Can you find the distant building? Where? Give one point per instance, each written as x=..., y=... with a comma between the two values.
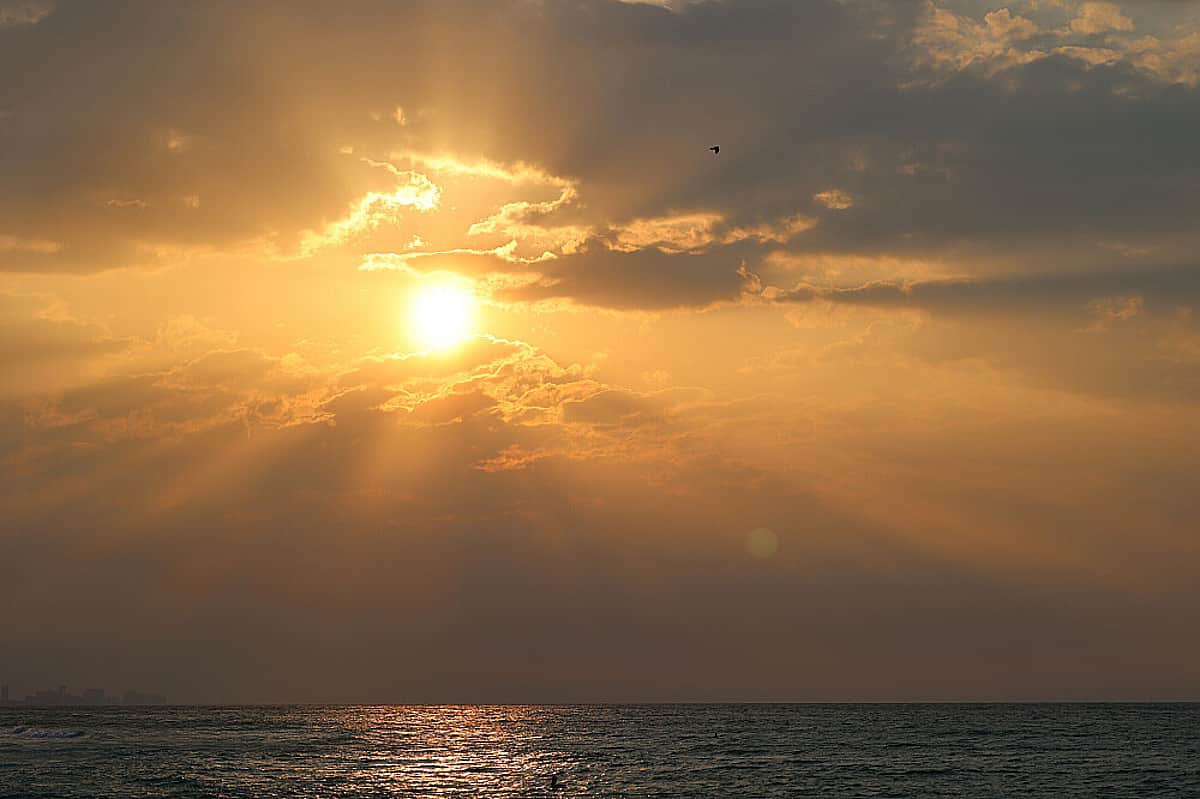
x=91, y=697
x=51, y=696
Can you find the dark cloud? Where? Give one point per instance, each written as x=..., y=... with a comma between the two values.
x=596, y=275
x=160, y=148
x=1163, y=288
x=1122, y=334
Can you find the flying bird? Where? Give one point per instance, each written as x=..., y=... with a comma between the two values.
x=716, y=150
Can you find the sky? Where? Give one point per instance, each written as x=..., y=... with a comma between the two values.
x=421, y=351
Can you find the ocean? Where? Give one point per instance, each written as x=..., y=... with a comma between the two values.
x=823, y=750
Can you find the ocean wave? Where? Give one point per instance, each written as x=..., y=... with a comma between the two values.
x=31, y=732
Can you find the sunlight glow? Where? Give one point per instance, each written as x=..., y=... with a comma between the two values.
x=442, y=316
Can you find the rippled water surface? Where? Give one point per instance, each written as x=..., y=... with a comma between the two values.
x=639, y=750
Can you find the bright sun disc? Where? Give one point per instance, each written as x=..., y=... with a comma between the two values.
x=442, y=316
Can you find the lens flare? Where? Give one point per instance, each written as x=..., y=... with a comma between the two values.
x=762, y=542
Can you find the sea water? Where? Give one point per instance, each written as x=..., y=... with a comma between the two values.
x=1025, y=750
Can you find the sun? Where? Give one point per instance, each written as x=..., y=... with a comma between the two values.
x=442, y=316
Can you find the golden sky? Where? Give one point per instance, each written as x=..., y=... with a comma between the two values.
x=420, y=350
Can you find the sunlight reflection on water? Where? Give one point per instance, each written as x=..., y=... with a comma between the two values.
x=612, y=751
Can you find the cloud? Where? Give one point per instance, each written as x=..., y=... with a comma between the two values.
x=596, y=274
x=929, y=317
x=1110, y=310
x=375, y=209
x=1102, y=336
x=913, y=130
x=40, y=343
x=1016, y=294
x=1097, y=33
x=502, y=485
x=1098, y=17
x=43, y=246
x=834, y=199
x=15, y=13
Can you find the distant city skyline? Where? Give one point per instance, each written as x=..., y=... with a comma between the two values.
x=60, y=695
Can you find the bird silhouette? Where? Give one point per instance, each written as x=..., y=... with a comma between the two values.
x=716, y=150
